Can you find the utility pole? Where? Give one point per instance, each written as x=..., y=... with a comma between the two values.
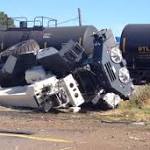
x=79, y=16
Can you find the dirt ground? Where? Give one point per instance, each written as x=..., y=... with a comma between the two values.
x=67, y=131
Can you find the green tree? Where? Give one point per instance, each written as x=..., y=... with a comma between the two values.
x=5, y=20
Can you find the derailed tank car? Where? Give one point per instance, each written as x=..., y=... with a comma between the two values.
x=135, y=46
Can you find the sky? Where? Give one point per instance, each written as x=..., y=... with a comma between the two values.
x=113, y=14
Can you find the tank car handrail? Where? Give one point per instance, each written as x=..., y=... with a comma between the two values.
x=19, y=18
x=42, y=21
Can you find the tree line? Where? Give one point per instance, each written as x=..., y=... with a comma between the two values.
x=5, y=20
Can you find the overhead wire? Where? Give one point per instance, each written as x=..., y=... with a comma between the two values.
x=66, y=21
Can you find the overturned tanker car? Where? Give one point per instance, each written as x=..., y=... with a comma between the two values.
x=68, y=76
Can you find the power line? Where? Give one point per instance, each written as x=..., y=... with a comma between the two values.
x=66, y=21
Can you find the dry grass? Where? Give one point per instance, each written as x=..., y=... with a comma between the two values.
x=136, y=109
x=141, y=97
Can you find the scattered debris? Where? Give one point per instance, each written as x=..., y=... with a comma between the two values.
x=75, y=109
x=139, y=123
x=134, y=138
x=116, y=122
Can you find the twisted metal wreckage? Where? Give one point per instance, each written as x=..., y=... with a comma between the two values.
x=66, y=77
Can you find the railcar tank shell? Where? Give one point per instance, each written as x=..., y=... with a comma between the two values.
x=135, y=46
x=49, y=37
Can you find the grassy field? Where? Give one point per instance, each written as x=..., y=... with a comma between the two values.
x=136, y=109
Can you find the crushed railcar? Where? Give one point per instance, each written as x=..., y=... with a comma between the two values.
x=62, y=67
